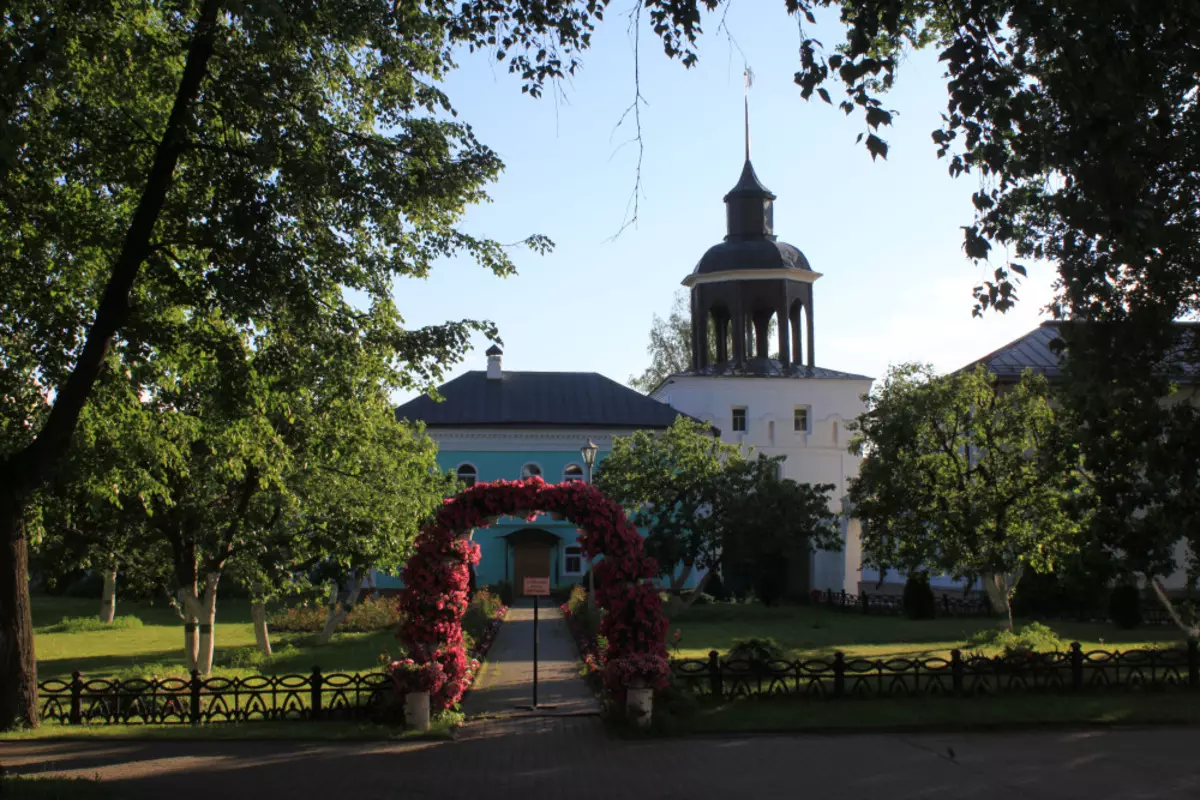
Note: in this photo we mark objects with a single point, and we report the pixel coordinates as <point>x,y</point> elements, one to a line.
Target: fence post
<point>1193,658</point>
<point>956,671</point>
<point>829,597</point>
<point>77,698</point>
<point>714,674</point>
<point>866,603</point>
<point>839,674</point>
<point>315,681</point>
<point>194,685</point>
<point>1076,666</point>
<point>945,604</point>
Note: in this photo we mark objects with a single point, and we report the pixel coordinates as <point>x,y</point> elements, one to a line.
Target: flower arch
<point>436,580</point>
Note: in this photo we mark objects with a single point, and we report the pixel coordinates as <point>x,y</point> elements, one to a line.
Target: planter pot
<point>639,704</point>
<point>416,711</point>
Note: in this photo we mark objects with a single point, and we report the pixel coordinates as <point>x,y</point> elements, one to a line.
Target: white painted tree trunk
<point>1192,629</point>
<point>676,603</point>
<point>199,646</point>
<point>999,592</point>
<point>262,637</point>
<point>189,613</point>
<point>108,600</point>
<point>339,612</point>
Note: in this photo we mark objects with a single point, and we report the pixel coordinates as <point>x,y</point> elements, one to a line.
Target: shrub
<point>918,599</point>
<point>253,658</point>
<point>559,594</point>
<point>299,619</point>
<point>504,590</point>
<point>756,650</point>
<point>716,587</point>
<point>368,615</point>
<point>1125,606</point>
<point>89,624</point>
<point>483,608</point>
<point>1032,638</point>
<point>577,607</point>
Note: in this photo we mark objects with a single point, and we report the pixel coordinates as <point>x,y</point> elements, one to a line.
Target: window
<point>467,474</point>
<point>531,470</point>
<point>573,562</point>
<point>800,419</point>
<point>573,472</point>
<point>739,420</point>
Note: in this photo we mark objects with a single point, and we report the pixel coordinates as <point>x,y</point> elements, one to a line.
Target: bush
<point>483,608</point>
<point>89,624</point>
<point>716,587</point>
<point>756,650</point>
<point>504,590</point>
<point>1125,606</point>
<point>253,658</point>
<point>367,616</point>
<point>1032,638</point>
<point>561,593</point>
<point>298,619</point>
<point>918,599</point>
<point>577,607</point>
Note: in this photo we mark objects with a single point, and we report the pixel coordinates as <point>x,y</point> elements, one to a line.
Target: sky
<point>885,235</point>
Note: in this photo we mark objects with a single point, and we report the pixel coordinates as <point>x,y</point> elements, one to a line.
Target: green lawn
<point>780,714</point>
<point>52,789</point>
<point>159,642</point>
<point>810,631</point>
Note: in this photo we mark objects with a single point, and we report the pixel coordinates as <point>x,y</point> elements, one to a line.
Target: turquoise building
<point>493,425</point>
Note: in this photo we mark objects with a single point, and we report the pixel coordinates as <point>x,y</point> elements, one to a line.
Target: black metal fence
<point>82,701</point>
<point>960,675</point>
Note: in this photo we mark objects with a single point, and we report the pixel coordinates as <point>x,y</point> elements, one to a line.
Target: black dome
<point>738,254</point>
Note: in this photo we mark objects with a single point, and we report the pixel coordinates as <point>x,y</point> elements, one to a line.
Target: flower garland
<point>436,578</point>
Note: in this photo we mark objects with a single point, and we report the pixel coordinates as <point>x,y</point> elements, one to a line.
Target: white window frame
<point>541,473</point>
<point>733,419</point>
<point>458,473</point>
<point>567,554</point>
<point>580,477</point>
<point>807,419</point>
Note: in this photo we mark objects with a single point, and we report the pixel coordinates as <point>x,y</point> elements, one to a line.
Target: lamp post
<point>588,452</point>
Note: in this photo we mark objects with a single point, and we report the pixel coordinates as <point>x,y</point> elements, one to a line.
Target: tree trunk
<point>1192,631</point>
<point>208,628</point>
<point>108,600</point>
<point>262,637</point>
<point>337,613</point>
<point>190,612</point>
<point>18,665</point>
<point>998,595</point>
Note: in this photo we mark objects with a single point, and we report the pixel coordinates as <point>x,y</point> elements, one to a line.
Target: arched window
<point>573,472</point>
<point>531,470</point>
<point>467,474</point>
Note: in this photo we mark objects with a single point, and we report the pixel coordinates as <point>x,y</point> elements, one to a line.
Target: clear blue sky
<point>885,235</point>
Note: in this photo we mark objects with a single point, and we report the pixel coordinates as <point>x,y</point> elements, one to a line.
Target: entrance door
<point>531,559</point>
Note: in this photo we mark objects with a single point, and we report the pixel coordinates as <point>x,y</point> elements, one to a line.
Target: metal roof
<point>1040,350</point>
<point>538,400</point>
<point>746,253</point>
<point>770,368</point>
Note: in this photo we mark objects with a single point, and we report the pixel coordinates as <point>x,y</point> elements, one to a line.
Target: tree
<point>767,520</point>
<point>667,482</point>
<point>965,478</point>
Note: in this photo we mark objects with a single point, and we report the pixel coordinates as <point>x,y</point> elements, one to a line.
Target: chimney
<point>494,353</point>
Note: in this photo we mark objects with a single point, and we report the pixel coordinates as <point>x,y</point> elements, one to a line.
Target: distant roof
<point>538,400</point>
<point>1039,350</point>
<point>770,368</point>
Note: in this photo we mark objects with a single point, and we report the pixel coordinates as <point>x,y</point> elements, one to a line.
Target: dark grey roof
<point>761,253</point>
<point>538,400</point>
<point>749,184</point>
<point>770,368</point>
<point>1040,351</point>
<point>494,350</point>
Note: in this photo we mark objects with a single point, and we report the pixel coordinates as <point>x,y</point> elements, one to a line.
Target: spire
<point>748,203</point>
<point>749,76</point>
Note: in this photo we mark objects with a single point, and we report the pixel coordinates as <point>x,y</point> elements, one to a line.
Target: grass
<point>151,640</point>
<point>813,632</point>
<point>441,728</point>
<point>784,714</point>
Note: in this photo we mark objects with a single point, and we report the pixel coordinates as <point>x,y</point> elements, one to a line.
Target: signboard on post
<point>537,587</point>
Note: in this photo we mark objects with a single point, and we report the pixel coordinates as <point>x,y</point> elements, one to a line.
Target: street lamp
<point>588,452</point>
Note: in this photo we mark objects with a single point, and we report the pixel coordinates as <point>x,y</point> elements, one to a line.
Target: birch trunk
<point>108,600</point>
<point>262,637</point>
<point>1193,630</point>
<point>999,595</point>
<point>208,633</point>
<point>337,613</point>
<point>677,603</point>
<point>189,611</point>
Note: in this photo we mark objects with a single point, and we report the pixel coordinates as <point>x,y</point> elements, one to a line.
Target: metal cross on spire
<point>749,76</point>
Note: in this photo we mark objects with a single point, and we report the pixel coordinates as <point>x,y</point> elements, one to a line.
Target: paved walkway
<point>523,758</point>
<point>506,680</point>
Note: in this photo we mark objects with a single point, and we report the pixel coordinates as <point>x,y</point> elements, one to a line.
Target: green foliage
<point>503,590</point>
<point>252,658</point>
<point>89,624</point>
<point>964,479</point>
<point>481,611</point>
<point>918,599</point>
<point>1125,606</point>
<point>368,615</point>
<point>756,650</point>
<point>1033,637</point>
<point>589,618</point>
<point>562,592</point>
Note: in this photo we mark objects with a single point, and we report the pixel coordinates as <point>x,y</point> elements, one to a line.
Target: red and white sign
<point>537,587</point>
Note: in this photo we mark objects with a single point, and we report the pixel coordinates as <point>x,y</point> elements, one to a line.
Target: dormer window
<point>739,420</point>
<point>531,470</point>
<point>467,474</point>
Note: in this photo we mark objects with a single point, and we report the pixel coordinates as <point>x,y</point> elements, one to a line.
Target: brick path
<point>506,680</point>
<point>571,757</point>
